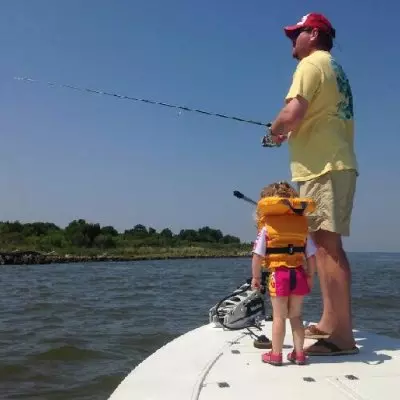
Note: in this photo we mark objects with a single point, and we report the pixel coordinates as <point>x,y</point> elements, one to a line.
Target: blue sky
<point>68,155</point>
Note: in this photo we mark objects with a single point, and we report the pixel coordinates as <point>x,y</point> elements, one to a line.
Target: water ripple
<point>75,331</point>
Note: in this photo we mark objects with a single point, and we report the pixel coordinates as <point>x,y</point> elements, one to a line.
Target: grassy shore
<point>28,257</point>
<point>81,241</point>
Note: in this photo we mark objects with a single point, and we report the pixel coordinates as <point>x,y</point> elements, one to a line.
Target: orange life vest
<point>287,229</point>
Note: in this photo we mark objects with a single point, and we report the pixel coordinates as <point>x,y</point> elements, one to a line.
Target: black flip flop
<point>334,350</point>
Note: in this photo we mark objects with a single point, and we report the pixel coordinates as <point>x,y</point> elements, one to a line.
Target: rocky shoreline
<point>34,257</point>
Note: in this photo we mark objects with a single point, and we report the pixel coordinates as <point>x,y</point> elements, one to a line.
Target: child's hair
<point>279,189</point>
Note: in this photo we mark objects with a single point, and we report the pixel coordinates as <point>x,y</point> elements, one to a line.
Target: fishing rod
<point>265,142</point>
<point>240,195</point>
<point>264,272</point>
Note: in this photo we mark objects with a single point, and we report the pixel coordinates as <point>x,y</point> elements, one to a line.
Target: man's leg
<point>333,194</point>
<point>335,280</point>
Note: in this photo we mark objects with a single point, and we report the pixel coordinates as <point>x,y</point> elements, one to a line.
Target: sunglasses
<point>297,33</point>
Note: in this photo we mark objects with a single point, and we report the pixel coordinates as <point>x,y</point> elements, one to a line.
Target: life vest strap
<point>290,249</point>
<point>297,211</point>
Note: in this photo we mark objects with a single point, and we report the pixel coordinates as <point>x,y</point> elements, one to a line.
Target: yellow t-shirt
<point>324,141</point>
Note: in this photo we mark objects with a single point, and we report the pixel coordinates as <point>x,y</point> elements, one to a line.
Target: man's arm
<point>306,82</point>
<point>290,116</point>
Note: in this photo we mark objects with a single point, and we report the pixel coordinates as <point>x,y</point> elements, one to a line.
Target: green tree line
<point>80,234</point>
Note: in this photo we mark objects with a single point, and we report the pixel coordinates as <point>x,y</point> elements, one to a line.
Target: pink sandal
<point>272,358</point>
<point>297,358</point>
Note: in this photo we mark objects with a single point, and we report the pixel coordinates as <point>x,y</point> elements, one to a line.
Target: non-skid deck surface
<point>209,363</point>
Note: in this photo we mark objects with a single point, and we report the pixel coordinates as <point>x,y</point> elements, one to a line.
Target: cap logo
<point>303,19</point>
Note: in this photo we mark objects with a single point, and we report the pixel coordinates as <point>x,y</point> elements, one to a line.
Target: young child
<point>283,244</point>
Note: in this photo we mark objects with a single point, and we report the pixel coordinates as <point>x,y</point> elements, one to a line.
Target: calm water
<point>75,331</point>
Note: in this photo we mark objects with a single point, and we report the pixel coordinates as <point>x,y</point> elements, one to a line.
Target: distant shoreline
<point>84,242</point>
<point>36,258</point>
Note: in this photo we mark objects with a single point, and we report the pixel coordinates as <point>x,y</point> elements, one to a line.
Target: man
<point>318,122</point>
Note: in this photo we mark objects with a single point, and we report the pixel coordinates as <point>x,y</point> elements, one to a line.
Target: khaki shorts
<point>333,194</point>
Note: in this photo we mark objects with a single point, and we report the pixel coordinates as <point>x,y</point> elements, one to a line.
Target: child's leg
<point>280,313</point>
<point>296,322</point>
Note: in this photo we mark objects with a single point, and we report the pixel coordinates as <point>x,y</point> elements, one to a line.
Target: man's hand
<point>279,139</point>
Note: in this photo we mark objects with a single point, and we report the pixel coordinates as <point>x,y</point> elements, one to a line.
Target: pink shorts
<point>284,281</point>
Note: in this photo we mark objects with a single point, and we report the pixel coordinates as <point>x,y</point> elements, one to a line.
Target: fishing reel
<point>267,140</point>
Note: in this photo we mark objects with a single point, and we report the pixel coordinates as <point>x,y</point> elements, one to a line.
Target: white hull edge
<point>210,363</point>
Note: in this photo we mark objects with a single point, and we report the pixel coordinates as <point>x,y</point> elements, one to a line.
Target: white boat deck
<point>209,363</point>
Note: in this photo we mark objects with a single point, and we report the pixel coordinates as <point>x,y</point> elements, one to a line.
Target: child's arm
<point>311,260</point>
<point>256,271</point>
<point>259,250</point>
<point>311,265</point>
<point>311,270</point>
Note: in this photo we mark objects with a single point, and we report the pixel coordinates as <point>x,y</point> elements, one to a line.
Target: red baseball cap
<point>311,20</point>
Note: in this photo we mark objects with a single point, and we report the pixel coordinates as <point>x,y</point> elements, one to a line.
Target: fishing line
<point>160,103</point>
<point>266,140</point>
